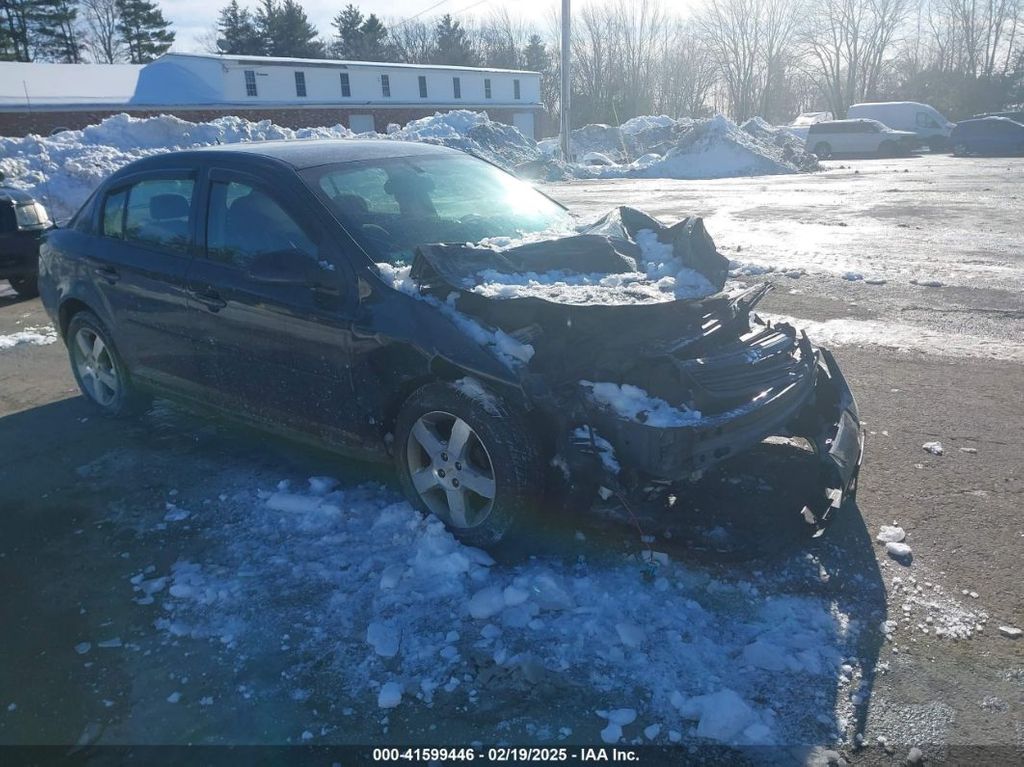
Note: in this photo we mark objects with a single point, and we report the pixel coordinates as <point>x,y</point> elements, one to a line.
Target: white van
<point>926,121</point>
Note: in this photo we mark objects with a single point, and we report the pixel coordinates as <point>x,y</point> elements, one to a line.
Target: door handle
<point>209,298</point>
<point>107,273</point>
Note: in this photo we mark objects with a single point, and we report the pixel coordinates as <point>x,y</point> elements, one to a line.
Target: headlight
<point>31,215</point>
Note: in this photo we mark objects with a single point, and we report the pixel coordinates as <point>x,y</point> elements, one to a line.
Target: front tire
<point>471,462</point>
<point>99,370</point>
<point>823,150</point>
<point>888,149</point>
<point>25,287</point>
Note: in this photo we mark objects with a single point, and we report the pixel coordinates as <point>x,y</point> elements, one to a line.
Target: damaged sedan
<point>413,304</point>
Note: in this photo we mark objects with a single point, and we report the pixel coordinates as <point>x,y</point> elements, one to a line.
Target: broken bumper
<point>817,405</point>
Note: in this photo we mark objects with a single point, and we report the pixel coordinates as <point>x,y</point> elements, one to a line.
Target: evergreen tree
<point>55,26</point>
<point>536,55</point>
<point>16,39</point>
<point>286,30</point>
<point>452,44</point>
<point>237,31</point>
<point>361,38</point>
<point>145,31</point>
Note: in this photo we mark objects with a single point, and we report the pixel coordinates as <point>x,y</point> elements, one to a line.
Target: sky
<point>193,19</point>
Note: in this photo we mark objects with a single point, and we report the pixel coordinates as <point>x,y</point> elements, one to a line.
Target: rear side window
<point>359,193</point>
<point>113,214</point>
<point>157,213</point>
<point>245,222</point>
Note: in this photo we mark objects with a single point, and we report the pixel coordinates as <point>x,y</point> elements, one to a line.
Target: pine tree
<point>144,30</point>
<point>286,30</point>
<point>361,38</point>
<point>55,26</point>
<point>16,18</point>
<point>237,31</point>
<point>452,45</point>
<point>536,55</point>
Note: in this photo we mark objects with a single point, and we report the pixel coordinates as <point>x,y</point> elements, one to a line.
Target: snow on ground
<point>902,337</point>
<point>386,609</point>
<point>63,169</point>
<point>40,336</point>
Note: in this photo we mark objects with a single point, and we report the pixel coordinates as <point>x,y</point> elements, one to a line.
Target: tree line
<point>773,58</point>
<point>73,31</point>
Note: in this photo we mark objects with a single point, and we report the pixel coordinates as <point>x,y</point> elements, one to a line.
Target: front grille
<point>757,362</point>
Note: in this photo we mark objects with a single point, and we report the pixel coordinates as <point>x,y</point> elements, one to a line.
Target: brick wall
<point>46,121</point>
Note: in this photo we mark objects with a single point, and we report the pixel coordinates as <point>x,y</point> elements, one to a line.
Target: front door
<point>274,302</point>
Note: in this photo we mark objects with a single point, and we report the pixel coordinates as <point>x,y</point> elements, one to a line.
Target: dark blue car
<point>988,135</point>
<point>325,290</point>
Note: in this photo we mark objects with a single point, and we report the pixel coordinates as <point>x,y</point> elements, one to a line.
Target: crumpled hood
<point>625,257</point>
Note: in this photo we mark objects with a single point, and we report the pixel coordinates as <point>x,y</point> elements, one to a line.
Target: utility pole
<point>564,123</point>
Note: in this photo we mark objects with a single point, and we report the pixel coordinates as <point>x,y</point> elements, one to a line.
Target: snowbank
<point>62,170</point>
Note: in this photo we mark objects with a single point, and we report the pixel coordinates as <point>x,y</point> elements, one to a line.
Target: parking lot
<point>912,270</point>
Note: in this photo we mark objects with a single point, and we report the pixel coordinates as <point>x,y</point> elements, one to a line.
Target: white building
<point>294,92</point>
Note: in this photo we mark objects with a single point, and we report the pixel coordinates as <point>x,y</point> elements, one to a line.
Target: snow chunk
<point>83,647</point>
<point>487,602</point>
<point>604,447</point>
<point>1011,632</point>
<point>898,551</point>
<point>612,733</point>
<point>390,695</point>
<point>41,336</point>
<point>667,270</point>
<point>634,404</point>
<point>935,448</point>
<point>382,639</point>
<point>724,716</point>
<point>890,534</point>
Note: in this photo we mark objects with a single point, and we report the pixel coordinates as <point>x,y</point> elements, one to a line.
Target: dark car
<point>1015,116</point>
<point>345,291</point>
<point>988,136</point>
<point>22,222</point>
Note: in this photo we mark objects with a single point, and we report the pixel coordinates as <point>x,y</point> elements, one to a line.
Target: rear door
<point>276,343</point>
<point>138,261</point>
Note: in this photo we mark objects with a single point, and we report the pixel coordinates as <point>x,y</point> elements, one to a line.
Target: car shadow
<point>51,448</point>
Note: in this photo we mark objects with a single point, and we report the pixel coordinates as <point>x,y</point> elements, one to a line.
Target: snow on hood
<point>625,257</point>
<point>63,169</point>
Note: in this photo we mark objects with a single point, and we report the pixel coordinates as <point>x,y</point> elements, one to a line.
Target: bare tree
<point>103,40</point>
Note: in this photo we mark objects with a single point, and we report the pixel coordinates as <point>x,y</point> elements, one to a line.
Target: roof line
<point>338,62</point>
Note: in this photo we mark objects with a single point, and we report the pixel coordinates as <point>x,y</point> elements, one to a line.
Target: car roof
<point>990,120</point>
<point>849,121</point>
<point>308,153</point>
<point>10,196</point>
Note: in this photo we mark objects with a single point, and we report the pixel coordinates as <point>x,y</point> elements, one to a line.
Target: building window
<point>423,86</point>
<point>487,87</point>
<point>346,87</point>
<point>515,89</point>
<point>385,86</point>
<point>300,84</point>
<point>457,87</point>
<point>250,82</point>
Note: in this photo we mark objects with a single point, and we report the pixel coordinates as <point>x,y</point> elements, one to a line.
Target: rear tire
<point>961,150</point>
<point>99,370</point>
<point>25,287</point>
<point>472,463</point>
<point>823,150</point>
<point>888,149</point>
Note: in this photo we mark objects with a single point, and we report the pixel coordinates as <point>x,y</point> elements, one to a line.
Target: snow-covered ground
<point>63,169</point>
<point>34,336</point>
<point>402,615</point>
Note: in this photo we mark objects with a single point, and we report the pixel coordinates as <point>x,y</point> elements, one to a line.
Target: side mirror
<point>282,267</point>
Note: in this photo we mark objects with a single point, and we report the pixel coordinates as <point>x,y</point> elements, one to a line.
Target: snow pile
<point>62,170</point>
<point>791,147</point>
<point>634,404</point>
<point>664,267</point>
<point>367,600</point>
<point>40,336</point>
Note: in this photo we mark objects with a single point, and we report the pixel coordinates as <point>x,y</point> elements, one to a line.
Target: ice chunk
<point>1011,632</point>
<point>174,697</point>
<point>935,448</point>
<point>383,639</point>
<point>766,655</point>
<point>898,551</point>
<point>83,647</point>
<point>652,731</point>
<point>486,602</point>
<point>621,716</point>
<point>612,733</point>
<point>322,485</point>
<point>390,695</point>
<point>291,502</point>
<point>890,534</point>
<point>630,634</point>
<point>723,715</point>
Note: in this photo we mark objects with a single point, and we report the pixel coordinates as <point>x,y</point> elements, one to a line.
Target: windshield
<point>392,206</point>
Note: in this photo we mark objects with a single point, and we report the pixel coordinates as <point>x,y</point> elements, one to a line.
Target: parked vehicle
<point>1015,116</point>
<point>925,121</point>
<point>988,135</point>
<point>326,290</point>
<point>837,138</point>
<point>805,120</point>
<point>22,222</point>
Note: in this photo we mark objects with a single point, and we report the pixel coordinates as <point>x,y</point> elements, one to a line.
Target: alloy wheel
<point>450,469</point>
<point>95,366</point>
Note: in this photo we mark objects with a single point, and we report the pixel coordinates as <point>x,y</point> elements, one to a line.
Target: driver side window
<point>245,222</point>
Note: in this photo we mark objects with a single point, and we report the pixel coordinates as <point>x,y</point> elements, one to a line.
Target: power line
<point>403,22</point>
